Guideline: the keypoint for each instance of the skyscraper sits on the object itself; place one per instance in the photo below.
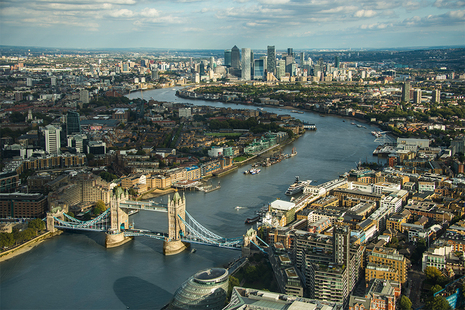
(212, 62)
(246, 64)
(202, 68)
(336, 62)
(235, 57)
(271, 61)
(290, 51)
(73, 124)
(436, 96)
(302, 59)
(406, 92)
(258, 69)
(417, 96)
(281, 69)
(227, 58)
(52, 139)
(155, 74)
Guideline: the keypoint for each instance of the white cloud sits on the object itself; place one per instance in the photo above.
(375, 26)
(450, 4)
(273, 2)
(149, 12)
(122, 13)
(340, 9)
(365, 13)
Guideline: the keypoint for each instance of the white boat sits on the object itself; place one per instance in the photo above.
(297, 186)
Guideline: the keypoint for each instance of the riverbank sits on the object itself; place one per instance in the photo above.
(156, 193)
(27, 246)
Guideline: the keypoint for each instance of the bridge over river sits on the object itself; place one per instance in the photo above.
(183, 229)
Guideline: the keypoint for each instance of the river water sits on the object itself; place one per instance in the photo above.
(75, 271)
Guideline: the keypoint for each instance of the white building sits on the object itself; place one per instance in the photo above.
(412, 144)
(215, 151)
(385, 187)
(394, 203)
(185, 112)
(52, 139)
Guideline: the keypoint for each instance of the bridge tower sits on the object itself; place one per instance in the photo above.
(176, 228)
(250, 237)
(119, 219)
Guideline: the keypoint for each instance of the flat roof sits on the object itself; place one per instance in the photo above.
(282, 205)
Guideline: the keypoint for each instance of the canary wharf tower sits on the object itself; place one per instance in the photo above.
(271, 61)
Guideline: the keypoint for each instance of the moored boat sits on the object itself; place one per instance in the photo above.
(251, 220)
(297, 186)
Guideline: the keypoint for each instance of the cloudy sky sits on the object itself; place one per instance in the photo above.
(221, 24)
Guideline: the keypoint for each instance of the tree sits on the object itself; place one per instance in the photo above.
(437, 303)
(6, 240)
(436, 288)
(132, 192)
(233, 281)
(36, 224)
(99, 207)
(435, 276)
(405, 303)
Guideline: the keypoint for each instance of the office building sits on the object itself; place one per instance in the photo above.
(281, 69)
(73, 123)
(97, 148)
(336, 62)
(207, 289)
(302, 59)
(246, 73)
(259, 69)
(235, 58)
(202, 69)
(271, 60)
(406, 92)
(227, 58)
(436, 96)
(53, 81)
(155, 74)
(52, 139)
(78, 141)
(290, 52)
(212, 62)
(84, 96)
(249, 298)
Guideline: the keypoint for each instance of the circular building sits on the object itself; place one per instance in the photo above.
(207, 289)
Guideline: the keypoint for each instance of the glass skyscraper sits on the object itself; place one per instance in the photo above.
(246, 64)
(235, 58)
(73, 124)
(271, 61)
(227, 58)
(259, 69)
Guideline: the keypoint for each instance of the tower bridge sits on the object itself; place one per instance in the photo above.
(183, 229)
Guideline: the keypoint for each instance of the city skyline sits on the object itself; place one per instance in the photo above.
(253, 24)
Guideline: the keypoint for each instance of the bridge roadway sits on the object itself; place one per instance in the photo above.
(144, 205)
(134, 232)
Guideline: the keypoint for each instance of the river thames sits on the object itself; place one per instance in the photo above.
(75, 270)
